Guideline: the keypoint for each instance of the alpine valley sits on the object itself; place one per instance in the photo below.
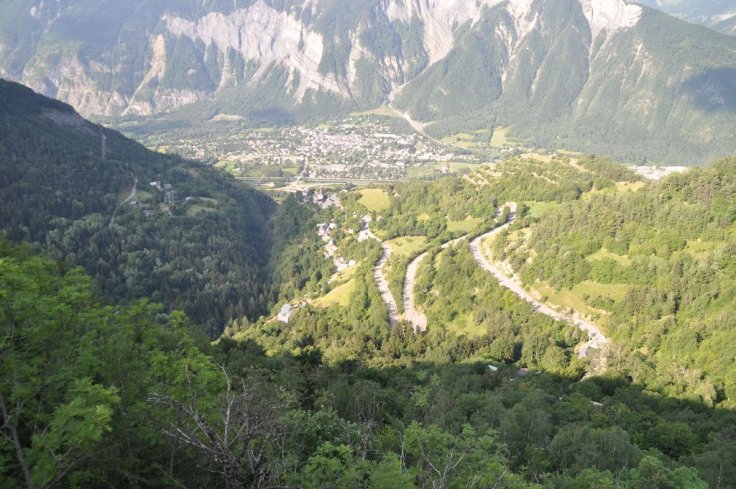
(598, 76)
(370, 244)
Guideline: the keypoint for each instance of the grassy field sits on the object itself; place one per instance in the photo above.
(141, 195)
(407, 245)
(228, 166)
(630, 186)
(195, 209)
(468, 140)
(618, 187)
(374, 199)
(605, 254)
(700, 248)
(345, 275)
(381, 111)
(432, 169)
(539, 209)
(202, 204)
(464, 325)
(538, 157)
(582, 295)
(339, 296)
(456, 166)
(500, 137)
(567, 152)
(464, 226)
(422, 171)
(461, 140)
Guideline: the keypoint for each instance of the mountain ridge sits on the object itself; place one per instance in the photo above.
(546, 67)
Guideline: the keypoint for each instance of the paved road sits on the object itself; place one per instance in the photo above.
(380, 279)
(415, 317)
(596, 339)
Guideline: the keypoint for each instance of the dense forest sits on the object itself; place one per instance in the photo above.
(196, 240)
(169, 409)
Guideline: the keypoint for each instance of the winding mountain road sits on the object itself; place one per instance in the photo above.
(596, 339)
(415, 317)
(380, 279)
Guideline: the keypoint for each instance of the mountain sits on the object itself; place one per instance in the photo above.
(592, 75)
(718, 14)
(141, 223)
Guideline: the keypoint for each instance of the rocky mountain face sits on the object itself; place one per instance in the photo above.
(579, 73)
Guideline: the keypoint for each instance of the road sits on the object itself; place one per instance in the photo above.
(133, 193)
(380, 279)
(596, 339)
(417, 318)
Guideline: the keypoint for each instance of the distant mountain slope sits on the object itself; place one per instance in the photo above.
(719, 14)
(199, 246)
(647, 86)
(593, 75)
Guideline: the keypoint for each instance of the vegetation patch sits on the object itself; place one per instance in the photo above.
(339, 296)
(700, 248)
(539, 209)
(345, 275)
(463, 325)
(374, 199)
(582, 296)
(381, 111)
(407, 246)
(465, 226)
(499, 139)
(604, 254)
(630, 186)
(461, 140)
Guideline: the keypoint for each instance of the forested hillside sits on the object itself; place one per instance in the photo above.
(469, 315)
(669, 249)
(166, 409)
(83, 194)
